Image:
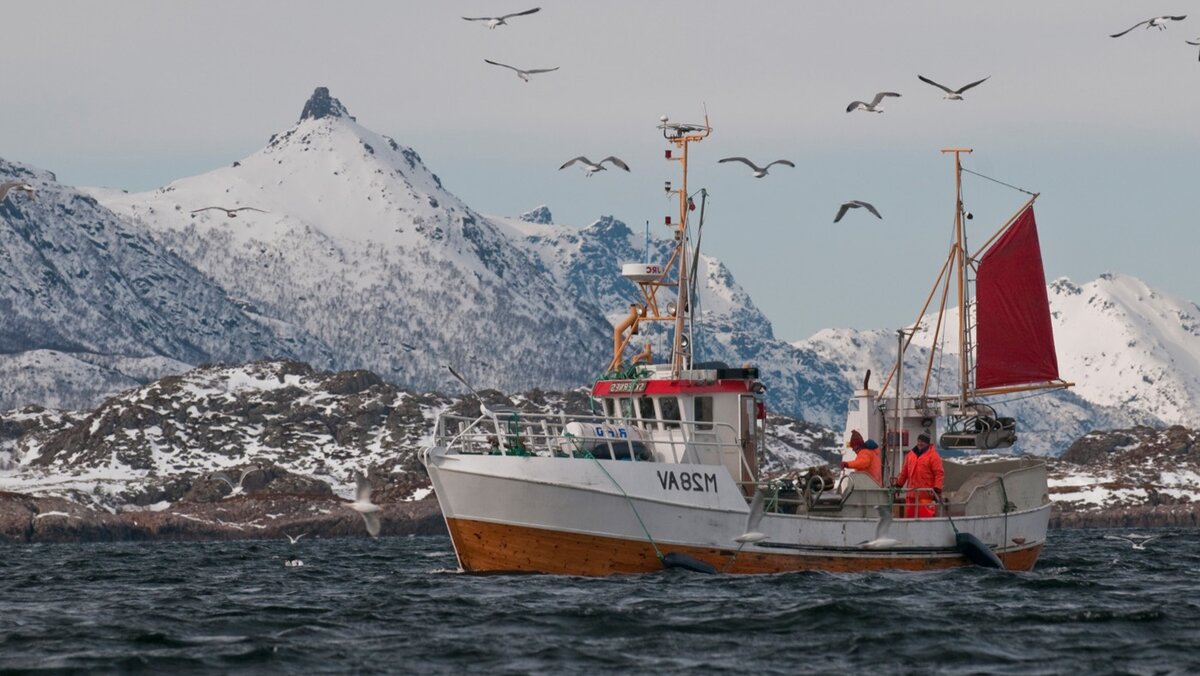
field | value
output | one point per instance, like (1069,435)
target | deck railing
(566,436)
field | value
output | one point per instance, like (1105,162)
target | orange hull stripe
(495,548)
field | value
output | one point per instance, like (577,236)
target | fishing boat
(667,470)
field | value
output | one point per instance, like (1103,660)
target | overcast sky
(135,94)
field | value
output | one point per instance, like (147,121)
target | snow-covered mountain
(362,246)
(1133,354)
(355,255)
(92,306)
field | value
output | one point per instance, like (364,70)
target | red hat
(856,440)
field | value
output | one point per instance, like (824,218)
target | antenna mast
(960,262)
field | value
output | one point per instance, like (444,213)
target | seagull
(232,213)
(854,204)
(1159,22)
(363,505)
(1194,44)
(8,186)
(591,167)
(293,563)
(523,74)
(759,172)
(873,106)
(757,506)
(952,94)
(493,21)
(1137,541)
(235,489)
(294,540)
(882,539)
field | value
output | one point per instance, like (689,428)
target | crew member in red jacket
(922,470)
(868,461)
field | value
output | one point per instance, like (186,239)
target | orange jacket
(868,461)
(924,471)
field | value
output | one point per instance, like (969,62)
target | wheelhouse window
(669,412)
(626,408)
(646,409)
(610,408)
(704,413)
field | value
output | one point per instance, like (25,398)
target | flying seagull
(363,505)
(294,540)
(591,167)
(493,21)
(952,94)
(1159,22)
(234,488)
(883,539)
(759,172)
(8,186)
(1194,44)
(232,213)
(1137,541)
(523,74)
(854,204)
(873,106)
(757,507)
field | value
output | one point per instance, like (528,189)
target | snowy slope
(1133,353)
(362,246)
(91,305)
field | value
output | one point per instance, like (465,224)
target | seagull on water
(591,167)
(883,540)
(363,505)
(493,21)
(759,172)
(873,106)
(8,186)
(1136,541)
(293,563)
(1159,22)
(523,74)
(952,94)
(232,213)
(854,204)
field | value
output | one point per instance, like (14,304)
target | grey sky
(135,94)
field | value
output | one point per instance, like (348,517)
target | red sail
(1015,341)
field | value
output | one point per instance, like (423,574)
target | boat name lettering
(605,431)
(687,481)
(631,386)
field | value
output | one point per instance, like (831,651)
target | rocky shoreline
(29,519)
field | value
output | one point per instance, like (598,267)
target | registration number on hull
(687,481)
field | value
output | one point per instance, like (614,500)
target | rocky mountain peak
(321,104)
(540,215)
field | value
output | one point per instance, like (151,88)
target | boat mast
(960,261)
(682,135)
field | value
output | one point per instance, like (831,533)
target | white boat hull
(599,517)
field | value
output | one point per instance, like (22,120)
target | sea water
(1093,605)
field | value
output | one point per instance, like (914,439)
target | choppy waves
(1092,605)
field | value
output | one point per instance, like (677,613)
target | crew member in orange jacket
(868,461)
(922,470)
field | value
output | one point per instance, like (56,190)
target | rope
(657,551)
(1007,185)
